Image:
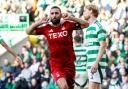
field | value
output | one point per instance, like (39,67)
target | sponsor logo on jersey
(58,34)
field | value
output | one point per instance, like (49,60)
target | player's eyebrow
(54,12)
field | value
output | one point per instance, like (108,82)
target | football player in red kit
(59,35)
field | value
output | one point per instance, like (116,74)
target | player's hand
(94,68)
(44,20)
(66,16)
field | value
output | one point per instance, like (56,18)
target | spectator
(121,42)
(114,81)
(125,85)
(123,73)
(26,73)
(16,69)
(40,73)
(25,55)
(7,67)
(22,84)
(34,66)
(46,79)
(35,84)
(10,83)
(36,52)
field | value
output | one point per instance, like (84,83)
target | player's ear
(91,11)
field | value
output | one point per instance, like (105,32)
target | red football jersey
(59,41)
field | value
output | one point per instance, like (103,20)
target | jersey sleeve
(39,31)
(102,34)
(74,25)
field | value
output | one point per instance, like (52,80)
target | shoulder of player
(98,25)
(66,22)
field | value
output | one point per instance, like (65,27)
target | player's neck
(76,44)
(92,20)
(55,25)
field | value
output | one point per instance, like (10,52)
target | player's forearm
(30,30)
(100,53)
(9,49)
(12,52)
(84,23)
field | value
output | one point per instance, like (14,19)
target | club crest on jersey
(58,34)
(57,74)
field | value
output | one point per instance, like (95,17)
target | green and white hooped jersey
(81,58)
(1,39)
(94,35)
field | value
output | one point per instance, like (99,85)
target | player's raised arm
(83,23)
(7,48)
(30,29)
(10,50)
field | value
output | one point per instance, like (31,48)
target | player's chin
(86,17)
(55,21)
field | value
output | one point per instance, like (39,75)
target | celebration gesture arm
(11,51)
(83,23)
(30,30)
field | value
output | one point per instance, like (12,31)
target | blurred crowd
(33,72)
(35,67)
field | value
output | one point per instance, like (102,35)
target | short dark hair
(55,7)
(77,38)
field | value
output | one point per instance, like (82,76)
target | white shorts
(96,77)
(81,79)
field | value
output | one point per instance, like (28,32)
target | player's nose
(54,15)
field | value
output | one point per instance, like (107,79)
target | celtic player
(96,44)
(81,78)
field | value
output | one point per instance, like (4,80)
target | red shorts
(65,70)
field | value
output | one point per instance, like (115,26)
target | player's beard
(55,21)
(87,17)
